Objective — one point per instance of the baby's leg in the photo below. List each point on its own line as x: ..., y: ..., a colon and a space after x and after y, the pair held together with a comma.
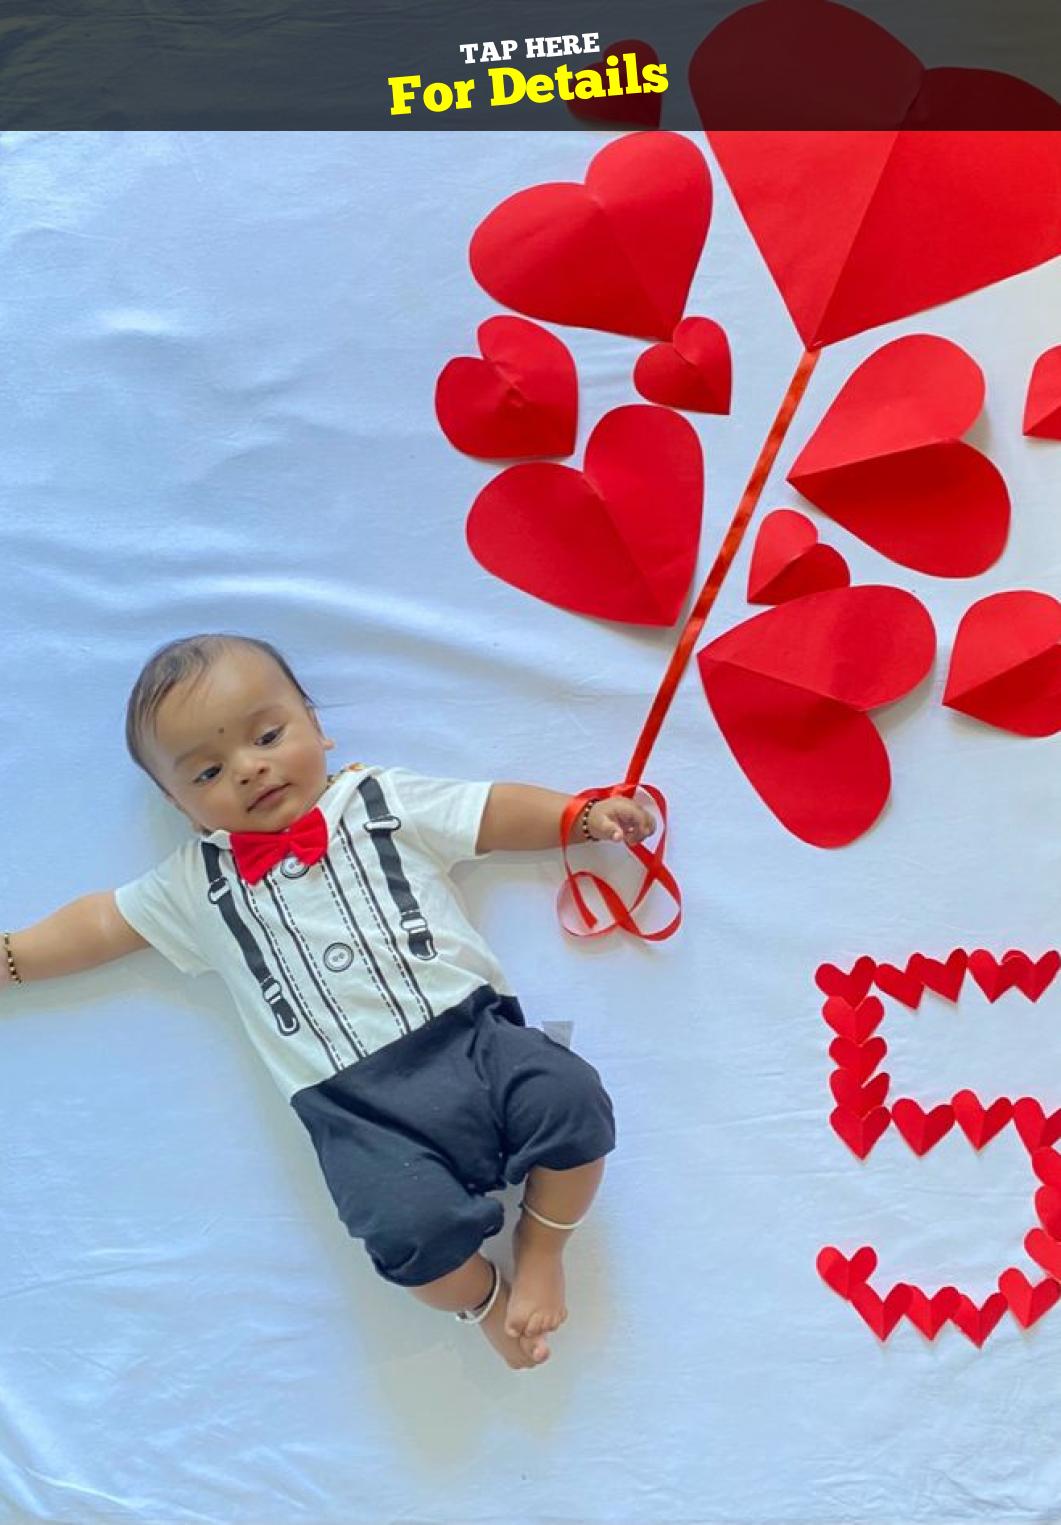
x: 536, y: 1306
x: 468, y: 1287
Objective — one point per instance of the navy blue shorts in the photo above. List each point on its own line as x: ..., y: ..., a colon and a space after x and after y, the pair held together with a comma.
x: 412, y: 1137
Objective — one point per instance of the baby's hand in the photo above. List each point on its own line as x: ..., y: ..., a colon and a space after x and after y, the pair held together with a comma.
x: 620, y: 820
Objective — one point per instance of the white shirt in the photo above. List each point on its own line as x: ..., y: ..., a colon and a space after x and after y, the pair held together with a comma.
x: 329, y: 962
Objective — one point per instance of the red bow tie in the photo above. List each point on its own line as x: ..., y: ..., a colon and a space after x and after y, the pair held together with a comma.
x: 256, y: 852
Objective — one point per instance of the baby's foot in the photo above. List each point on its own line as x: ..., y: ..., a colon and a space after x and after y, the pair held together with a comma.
x: 536, y: 1306
x: 514, y: 1351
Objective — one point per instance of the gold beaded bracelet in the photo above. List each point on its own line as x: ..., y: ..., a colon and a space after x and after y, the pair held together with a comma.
x: 16, y: 977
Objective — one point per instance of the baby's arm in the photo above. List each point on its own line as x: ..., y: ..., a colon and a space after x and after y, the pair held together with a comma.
x: 80, y: 935
x: 524, y: 816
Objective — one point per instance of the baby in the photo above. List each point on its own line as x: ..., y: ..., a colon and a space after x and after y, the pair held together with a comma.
x: 325, y: 904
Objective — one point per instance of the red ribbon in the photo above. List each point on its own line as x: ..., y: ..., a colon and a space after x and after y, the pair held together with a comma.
x: 656, y: 872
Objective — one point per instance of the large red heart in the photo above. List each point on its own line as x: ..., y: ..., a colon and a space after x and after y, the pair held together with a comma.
x: 890, y: 221
x: 618, y: 539
x: 520, y: 400
x: 789, y: 689
x: 1006, y: 666
x: 887, y: 462
x: 617, y: 253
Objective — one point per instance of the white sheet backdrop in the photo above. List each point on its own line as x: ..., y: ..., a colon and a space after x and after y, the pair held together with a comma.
x: 219, y: 360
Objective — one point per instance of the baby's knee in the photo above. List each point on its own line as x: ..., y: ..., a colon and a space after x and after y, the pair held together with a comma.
x: 422, y: 1241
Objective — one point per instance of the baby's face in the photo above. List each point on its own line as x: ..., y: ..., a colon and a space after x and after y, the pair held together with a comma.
x: 242, y: 729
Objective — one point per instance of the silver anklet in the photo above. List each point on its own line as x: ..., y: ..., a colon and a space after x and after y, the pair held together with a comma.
x: 476, y: 1315
x: 548, y: 1221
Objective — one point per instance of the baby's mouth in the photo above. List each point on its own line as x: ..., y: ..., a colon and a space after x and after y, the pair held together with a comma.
x: 265, y: 800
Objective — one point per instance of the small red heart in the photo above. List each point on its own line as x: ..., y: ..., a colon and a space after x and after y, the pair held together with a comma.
x: 617, y: 540
x: 629, y: 108
x: 853, y: 1022
x: 851, y: 985
x: 945, y: 979
x: 1042, y: 406
x: 520, y: 400
x: 887, y: 462
x: 694, y: 371
x: 856, y: 1098
x: 1032, y: 978
x: 922, y: 1130
x: 900, y: 984
x: 860, y: 1058
x: 977, y: 1123
x: 790, y: 690
x: 1044, y: 1250
x: 859, y: 1133
x: 993, y: 977
x: 977, y: 1323
x: 617, y: 252
x: 1036, y: 1129
x: 1026, y: 1302
x: 789, y: 560
x: 1047, y: 1166
x: 842, y: 1274
x: 1048, y: 1207
x: 929, y: 1314
x: 881, y: 1314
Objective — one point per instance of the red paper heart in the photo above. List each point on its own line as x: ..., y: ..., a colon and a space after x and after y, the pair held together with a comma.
x: 857, y: 1098
x: 789, y: 690
x: 1026, y: 1302
x: 922, y: 1130
x: 890, y: 221
x: 1036, y: 1129
x: 616, y: 253
x: 881, y: 1315
x: 628, y: 109
x: 1042, y: 407
x: 902, y: 985
x: 992, y: 975
x: 842, y: 1274
x: 520, y: 400
x: 945, y: 979
x: 1032, y: 979
x: 694, y: 371
x: 851, y: 985
x: 1047, y: 1166
x: 1005, y: 669
x: 1044, y: 1250
x: 929, y: 1314
x: 887, y: 463
x: 789, y: 560
x: 617, y: 540
x: 853, y: 1022
x: 977, y: 1323
x: 980, y: 1124
x: 859, y: 1133
x: 1048, y: 1207
x: 860, y: 1058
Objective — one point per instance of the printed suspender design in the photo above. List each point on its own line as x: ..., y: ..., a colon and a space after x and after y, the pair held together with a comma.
x: 287, y: 1020
x: 221, y: 895
x: 380, y: 826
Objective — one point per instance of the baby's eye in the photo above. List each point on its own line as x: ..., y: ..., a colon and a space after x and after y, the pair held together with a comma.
x: 270, y: 734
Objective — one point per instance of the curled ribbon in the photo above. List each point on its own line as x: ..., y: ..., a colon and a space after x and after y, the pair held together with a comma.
x: 656, y: 872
